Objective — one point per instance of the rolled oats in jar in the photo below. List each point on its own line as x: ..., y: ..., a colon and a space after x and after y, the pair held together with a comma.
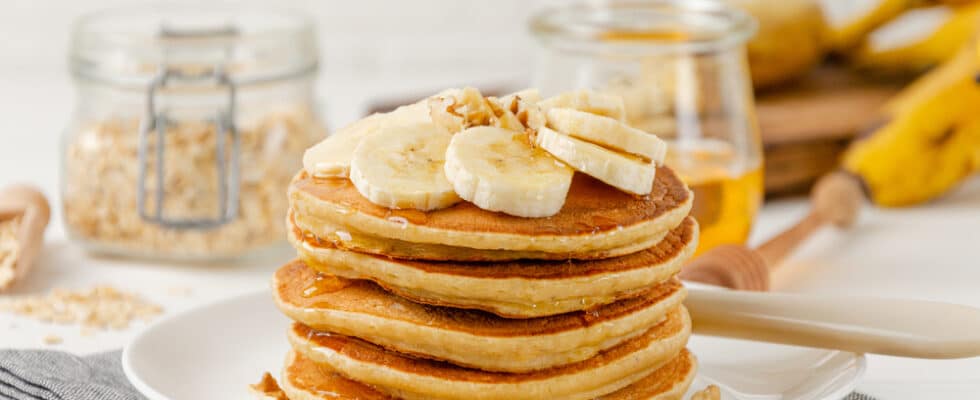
x: 189, y: 123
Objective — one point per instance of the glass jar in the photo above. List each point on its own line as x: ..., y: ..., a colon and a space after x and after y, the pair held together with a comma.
x: 681, y: 69
x: 189, y: 123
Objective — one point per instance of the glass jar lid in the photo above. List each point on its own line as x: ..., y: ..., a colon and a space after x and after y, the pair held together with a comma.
x: 130, y: 46
x: 643, y: 26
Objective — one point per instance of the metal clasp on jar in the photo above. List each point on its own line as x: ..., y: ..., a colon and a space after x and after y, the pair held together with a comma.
x: 157, y: 121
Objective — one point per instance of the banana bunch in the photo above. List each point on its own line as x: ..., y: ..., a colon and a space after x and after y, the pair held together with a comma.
x: 515, y: 154
x: 789, y: 40
x: 900, y: 37
x: 952, y: 27
x: 931, y: 141
x: 844, y: 36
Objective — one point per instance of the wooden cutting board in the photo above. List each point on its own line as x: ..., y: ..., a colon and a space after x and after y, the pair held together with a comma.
x: 806, y: 126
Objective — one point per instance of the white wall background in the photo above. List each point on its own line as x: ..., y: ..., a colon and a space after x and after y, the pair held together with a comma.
x: 369, y: 48
x: 415, y: 43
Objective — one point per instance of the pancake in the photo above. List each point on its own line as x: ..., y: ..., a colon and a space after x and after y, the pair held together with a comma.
x: 465, y: 337
x: 668, y: 382
x: 303, y: 379
x: 353, y: 240
x: 413, y: 378
x: 595, y: 221
x: 515, y: 289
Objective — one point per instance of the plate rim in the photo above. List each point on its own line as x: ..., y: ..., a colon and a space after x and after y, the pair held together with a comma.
x: 153, y: 394
x: 127, y: 354
x: 849, y: 387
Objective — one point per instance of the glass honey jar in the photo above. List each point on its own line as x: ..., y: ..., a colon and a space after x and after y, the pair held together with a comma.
x: 680, y: 66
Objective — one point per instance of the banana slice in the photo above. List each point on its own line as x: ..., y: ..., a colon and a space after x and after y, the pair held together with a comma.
x: 629, y: 174
x: 607, y: 132
x: 401, y: 166
x: 331, y: 157
x: 589, y: 101
x: 415, y: 113
x: 499, y: 170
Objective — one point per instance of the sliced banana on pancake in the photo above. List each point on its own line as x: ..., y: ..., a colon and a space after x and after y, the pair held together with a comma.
x: 629, y: 174
x: 499, y: 170
x: 401, y: 166
x: 331, y: 157
x: 589, y: 101
x: 607, y: 132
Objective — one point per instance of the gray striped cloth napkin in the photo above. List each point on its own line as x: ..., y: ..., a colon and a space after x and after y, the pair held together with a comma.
x: 53, y: 375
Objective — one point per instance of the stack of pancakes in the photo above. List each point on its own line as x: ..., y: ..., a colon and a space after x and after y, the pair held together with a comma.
x: 463, y: 303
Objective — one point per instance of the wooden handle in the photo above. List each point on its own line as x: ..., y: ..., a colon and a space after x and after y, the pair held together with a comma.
x: 906, y: 328
x: 774, y: 250
x: 32, y: 207
x: 731, y: 266
x: 835, y: 199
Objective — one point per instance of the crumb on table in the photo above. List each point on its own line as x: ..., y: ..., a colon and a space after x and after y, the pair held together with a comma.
x: 711, y: 392
x: 267, y: 389
x: 52, y: 339
x: 98, y: 308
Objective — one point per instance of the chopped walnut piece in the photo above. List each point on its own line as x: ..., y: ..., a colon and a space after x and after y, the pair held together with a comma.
x: 457, y: 109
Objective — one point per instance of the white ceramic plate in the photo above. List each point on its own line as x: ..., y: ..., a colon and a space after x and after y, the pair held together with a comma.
x: 215, y: 351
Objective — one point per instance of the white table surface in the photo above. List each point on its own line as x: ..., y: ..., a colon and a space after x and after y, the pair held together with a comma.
x: 926, y: 252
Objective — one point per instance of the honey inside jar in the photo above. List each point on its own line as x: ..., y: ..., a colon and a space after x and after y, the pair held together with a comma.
x: 726, y: 199
x: 668, y: 35
x: 727, y: 183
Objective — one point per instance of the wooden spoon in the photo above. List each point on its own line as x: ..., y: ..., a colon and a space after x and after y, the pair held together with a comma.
x: 836, y: 199
x: 905, y: 328
x: 26, y: 207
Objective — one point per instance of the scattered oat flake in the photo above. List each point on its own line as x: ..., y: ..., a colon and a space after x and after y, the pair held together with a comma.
x: 98, y: 308
x: 52, y: 339
x: 102, y: 167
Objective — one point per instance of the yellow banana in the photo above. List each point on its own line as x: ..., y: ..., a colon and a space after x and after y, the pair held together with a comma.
x: 954, y: 3
x: 789, y: 41
x: 843, y: 38
x: 930, y: 84
x: 930, y: 145
x: 940, y: 45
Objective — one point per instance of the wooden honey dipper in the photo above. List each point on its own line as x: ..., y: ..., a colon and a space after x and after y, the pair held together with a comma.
x: 835, y: 199
x: 30, y: 209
